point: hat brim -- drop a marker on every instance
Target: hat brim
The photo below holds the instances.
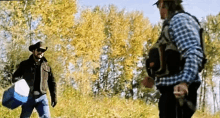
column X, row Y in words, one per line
column 44, row 48
column 156, row 3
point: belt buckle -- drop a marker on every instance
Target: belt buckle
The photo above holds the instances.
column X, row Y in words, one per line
column 36, row 94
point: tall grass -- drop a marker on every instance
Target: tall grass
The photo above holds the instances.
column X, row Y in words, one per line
column 72, row 104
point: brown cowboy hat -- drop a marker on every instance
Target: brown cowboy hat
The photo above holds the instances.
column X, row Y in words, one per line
column 38, row 45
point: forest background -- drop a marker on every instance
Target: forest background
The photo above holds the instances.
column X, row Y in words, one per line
column 97, row 56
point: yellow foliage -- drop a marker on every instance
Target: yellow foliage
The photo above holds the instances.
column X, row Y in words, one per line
column 89, row 35
column 72, row 104
column 57, row 17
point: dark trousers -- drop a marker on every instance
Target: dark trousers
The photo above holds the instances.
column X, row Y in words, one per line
column 169, row 106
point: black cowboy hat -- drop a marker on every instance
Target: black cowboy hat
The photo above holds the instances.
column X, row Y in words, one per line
column 38, row 45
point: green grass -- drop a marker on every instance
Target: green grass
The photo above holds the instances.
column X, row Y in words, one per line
column 72, row 104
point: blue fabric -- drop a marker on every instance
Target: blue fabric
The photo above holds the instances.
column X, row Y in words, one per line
column 184, row 31
column 40, row 104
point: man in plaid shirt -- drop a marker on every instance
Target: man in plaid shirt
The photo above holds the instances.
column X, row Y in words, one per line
column 179, row 91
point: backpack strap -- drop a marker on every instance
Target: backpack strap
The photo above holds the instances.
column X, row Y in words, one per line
column 164, row 32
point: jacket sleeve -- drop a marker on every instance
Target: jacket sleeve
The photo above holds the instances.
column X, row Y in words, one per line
column 18, row 73
column 52, row 86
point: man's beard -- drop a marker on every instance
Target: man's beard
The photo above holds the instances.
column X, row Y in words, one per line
column 36, row 57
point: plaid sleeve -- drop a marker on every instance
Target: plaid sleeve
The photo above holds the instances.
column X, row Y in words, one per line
column 184, row 31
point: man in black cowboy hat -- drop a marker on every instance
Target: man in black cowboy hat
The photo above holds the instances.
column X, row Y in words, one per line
column 39, row 76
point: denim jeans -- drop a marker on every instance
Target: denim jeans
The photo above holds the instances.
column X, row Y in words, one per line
column 40, row 104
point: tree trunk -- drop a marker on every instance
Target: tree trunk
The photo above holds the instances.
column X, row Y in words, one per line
column 204, row 97
column 214, row 97
column 201, row 91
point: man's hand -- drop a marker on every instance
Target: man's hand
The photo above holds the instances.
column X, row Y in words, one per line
column 148, row 82
column 180, row 90
column 53, row 102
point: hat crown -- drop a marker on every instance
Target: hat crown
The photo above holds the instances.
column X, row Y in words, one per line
column 37, row 46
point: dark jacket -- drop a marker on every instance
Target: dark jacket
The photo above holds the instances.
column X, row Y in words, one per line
column 26, row 70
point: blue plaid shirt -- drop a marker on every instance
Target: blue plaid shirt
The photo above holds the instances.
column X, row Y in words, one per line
column 184, row 31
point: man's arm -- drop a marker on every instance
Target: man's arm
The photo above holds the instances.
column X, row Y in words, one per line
column 185, row 34
column 52, row 88
column 18, row 73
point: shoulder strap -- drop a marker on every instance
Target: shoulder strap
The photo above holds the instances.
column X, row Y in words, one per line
column 165, row 23
column 164, row 31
